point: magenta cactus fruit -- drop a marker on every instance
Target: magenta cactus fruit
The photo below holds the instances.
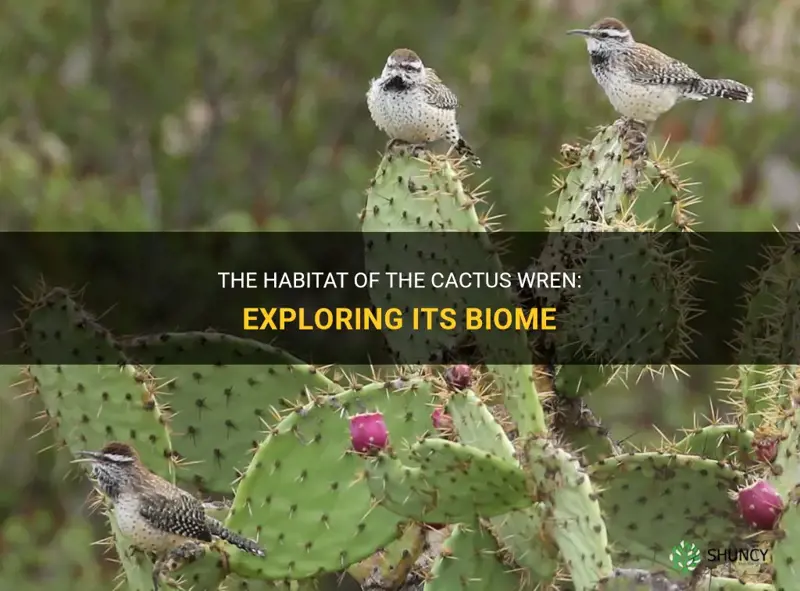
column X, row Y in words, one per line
column 458, row 377
column 440, row 419
column 760, row 504
column 368, row 432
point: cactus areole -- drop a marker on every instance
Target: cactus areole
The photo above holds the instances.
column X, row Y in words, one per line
column 368, row 432
column 760, row 505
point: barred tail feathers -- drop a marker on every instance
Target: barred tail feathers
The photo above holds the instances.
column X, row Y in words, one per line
column 217, row 529
column 465, row 150
column 727, row 89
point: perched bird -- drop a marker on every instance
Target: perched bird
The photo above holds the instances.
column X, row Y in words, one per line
column 641, row 82
column 411, row 104
column 155, row 515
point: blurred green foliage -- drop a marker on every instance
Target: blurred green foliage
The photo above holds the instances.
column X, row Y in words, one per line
column 243, row 116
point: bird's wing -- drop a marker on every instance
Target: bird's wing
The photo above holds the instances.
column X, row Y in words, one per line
column 183, row 516
column 436, row 93
column 655, row 67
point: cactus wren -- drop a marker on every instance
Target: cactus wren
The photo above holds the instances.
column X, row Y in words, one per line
column 411, row 104
column 156, row 516
column 641, row 82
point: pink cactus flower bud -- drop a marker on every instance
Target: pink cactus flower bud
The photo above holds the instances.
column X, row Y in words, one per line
column 440, row 419
column 766, row 450
column 760, row 505
column 458, row 377
column 368, row 432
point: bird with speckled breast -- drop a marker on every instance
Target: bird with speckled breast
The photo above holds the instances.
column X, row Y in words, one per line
column 411, row 104
column 156, row 516
column 643, row 83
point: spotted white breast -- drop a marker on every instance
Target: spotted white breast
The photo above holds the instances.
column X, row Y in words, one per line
column 139, row 532
column 407, row 116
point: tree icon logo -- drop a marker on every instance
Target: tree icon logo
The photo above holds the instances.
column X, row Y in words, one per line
column 685, row 557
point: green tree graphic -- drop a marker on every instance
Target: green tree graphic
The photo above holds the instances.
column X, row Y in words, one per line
column 685, row 557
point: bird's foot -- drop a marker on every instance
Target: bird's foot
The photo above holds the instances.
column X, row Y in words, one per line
column 173, row 560
column 135, row 553
column 414, row 149
column 395, row 143
column 219, row 547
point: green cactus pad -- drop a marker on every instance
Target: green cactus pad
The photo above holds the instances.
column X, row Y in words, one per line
column 593, row 190
column 520, row 397
column 414, row 192
column 577, row 525
column 786, row 570
column 772, row 321
column 447, row 483
column 758, row 386
column 785, row 480
column 470, row 562
column 394, row 562
column 422, row 193
column 522, row 535
column 606, row 186
column 204, row 574
column 221, row 411
column 518, row 532
column 417, row 191
column 477, row 427
column 652, row 501
column 580, row 380
column 137, row 567
column 303, row 495
column 718, row 442
column 622, row 272
column 90, row 405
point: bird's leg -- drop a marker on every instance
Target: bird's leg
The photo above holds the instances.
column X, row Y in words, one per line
column 133, row 552
column 395, row 143
column 219, row 547
column 413, row 149
column 174, row 559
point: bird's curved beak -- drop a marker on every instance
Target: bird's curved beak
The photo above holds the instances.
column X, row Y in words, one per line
column 584, row 32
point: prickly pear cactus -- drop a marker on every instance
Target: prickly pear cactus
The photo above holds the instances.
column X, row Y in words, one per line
column 93, row 403
column 614, row 184
column 421, row 193
column 470, row 562
column 218, row 411
column 497, row 458
column 304, row 494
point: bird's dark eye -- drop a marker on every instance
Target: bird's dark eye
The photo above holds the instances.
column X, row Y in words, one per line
column 603, row 35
